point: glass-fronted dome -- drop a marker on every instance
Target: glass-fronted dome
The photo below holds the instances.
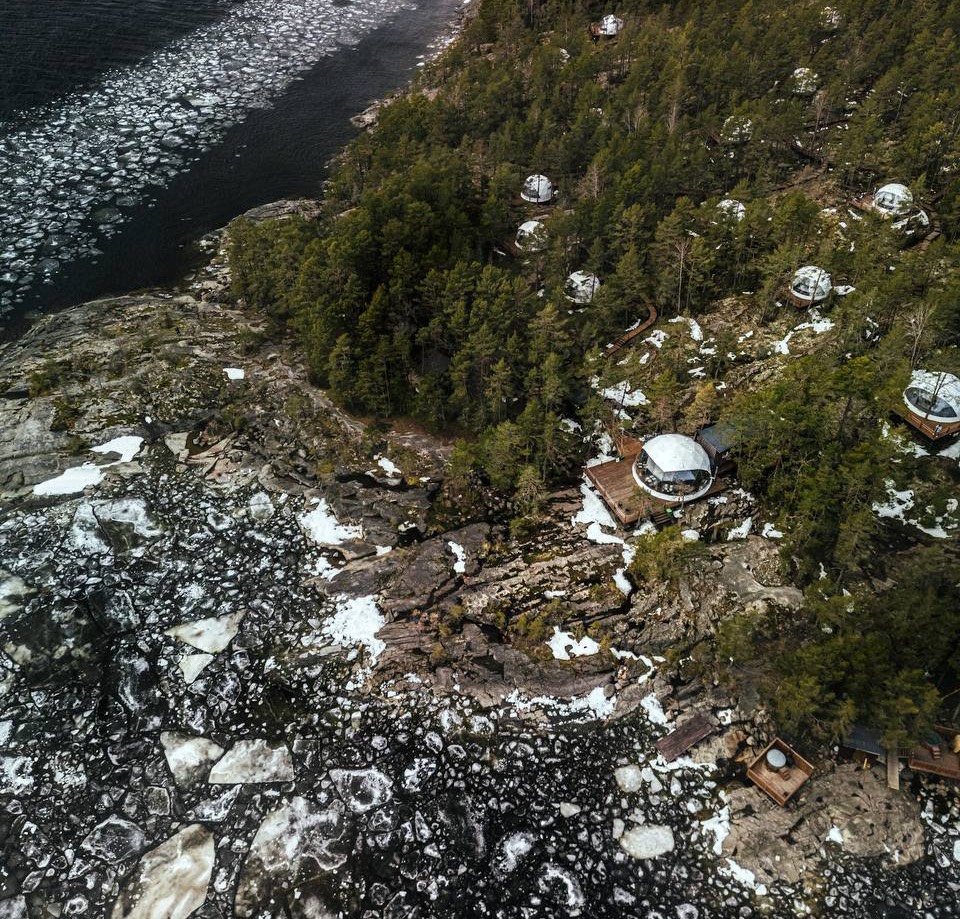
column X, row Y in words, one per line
column 673, row 467
column 934, row 396
column 893, row 199
column 811, row 284
column 581, row 287
column 532, row 236
column 537, row 189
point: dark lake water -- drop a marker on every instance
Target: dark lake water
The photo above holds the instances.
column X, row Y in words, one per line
column 130, row 127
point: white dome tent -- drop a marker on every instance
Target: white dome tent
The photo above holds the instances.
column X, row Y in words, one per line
column 610, row 25
column 673, row 467
column 537, row 189
column 531, row 236
column 732, row 208
column 581, row 287
column 933, row 402
column 893, row 199
column 810, row 286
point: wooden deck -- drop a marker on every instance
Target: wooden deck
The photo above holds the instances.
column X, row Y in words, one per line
column 624, row 498
column 946, row 765
column 684, row 737
column 927, row 428
column 781, row 786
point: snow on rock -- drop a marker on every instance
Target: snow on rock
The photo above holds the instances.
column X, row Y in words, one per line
column 817, row 324
column 563, row 645
column 295, row 840
column 771, row 532
column 743, row 876
column 656, row 338
column 362, row 789
column 651, row 705
column 835, row 834
column 188, row 757
column 356, row 623
column 253, row 761
column 460, row 554
column 234, row 373
column 171, row 880
column 595, row 515
column 719, row 826
column 696, row 333
column 742, row 531
column 126, row 447
column 323, row 528
column 648, row 841
column 622, row 393
column 389, row 467
column 623, row 582
column 208, row 635
column 690, row 535
column 899, row 502
column 70, row 481
column 594, row 704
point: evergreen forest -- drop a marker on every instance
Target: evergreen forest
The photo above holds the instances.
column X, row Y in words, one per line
column 410, row 298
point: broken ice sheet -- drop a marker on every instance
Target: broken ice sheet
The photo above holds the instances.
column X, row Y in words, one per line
column 210, row 635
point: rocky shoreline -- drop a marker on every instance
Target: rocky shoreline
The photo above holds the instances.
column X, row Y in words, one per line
column 225, row 429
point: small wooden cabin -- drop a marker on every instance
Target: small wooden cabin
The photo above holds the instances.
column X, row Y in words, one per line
column 779, row 771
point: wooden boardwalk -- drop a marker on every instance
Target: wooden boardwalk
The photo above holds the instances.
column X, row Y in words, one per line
column 627, row 337
column 684, row 737
column 626, row 501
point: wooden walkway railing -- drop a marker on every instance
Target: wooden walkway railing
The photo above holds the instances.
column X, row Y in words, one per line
column 615, row 346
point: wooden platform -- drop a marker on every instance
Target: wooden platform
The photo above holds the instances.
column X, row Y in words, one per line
column 627, row 337
column 684, row 737
column 624, row 498
column 929, row 429
column 783, row 784
column 947, row 766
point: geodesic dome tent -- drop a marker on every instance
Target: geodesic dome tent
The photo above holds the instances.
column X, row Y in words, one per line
column 935, row 398
column 581, row 287
column 537, row 189
column 893, row 199
column 672, row 466
column 610, row 25
column 810, row 285
column 531, row 236
column 732, row 208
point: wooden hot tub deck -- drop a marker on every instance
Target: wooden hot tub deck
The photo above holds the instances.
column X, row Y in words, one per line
column 620, row 492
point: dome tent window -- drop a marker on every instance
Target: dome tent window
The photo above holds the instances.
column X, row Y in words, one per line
column 893, row 199
column 581, row 287
column 537, row 189
column 531, row 236
column 811, row 285
column 672, row 466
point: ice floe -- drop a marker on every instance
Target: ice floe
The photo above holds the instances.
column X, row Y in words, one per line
column 253, row 762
